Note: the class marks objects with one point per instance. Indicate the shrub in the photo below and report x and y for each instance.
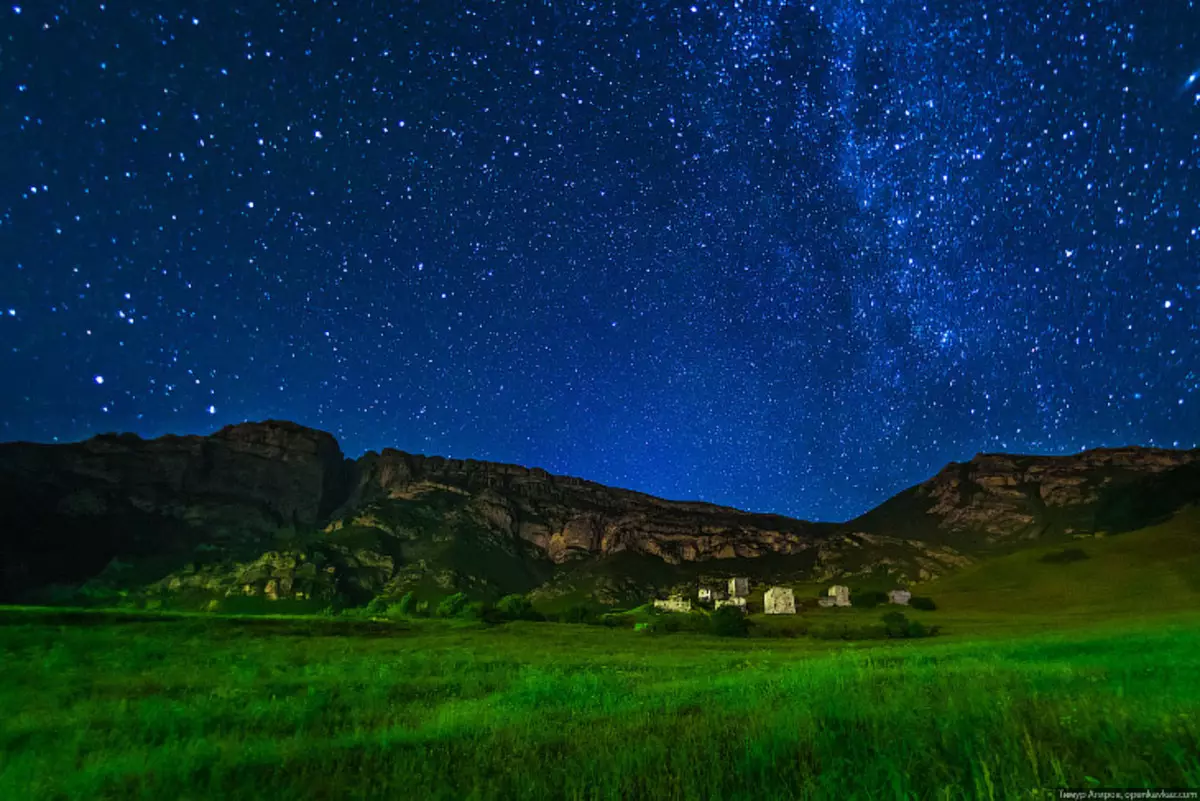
(478, 610)
(896, 624)
(844, 631)
(1065, 556)
(515, 607)
(728, 621)
(408, 605)
(920, 602)
(377, 607)
(577, 613)
(870, 599)
(451, 605)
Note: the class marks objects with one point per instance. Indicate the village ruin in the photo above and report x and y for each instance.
(838, 595)
(779, 601)
(676, 603)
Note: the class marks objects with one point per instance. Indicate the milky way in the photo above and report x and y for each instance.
(786, 257)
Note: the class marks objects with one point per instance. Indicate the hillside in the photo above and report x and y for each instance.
(1144, 572)
(273, 513)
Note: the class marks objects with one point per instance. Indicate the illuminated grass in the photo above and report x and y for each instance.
(213, 708)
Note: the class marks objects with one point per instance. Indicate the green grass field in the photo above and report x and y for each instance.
(1042, 678)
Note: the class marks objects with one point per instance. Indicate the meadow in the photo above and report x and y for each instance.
(141, 706)
(1046, 673)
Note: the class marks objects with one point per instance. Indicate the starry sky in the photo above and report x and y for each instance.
(790, 257)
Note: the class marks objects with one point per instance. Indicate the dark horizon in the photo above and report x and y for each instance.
(356, 455)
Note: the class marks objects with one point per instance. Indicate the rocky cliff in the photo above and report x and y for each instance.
(273, 511)
(1001, 499)
(66, 511)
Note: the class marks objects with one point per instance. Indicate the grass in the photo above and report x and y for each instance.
(191, 707)
(1071, 674)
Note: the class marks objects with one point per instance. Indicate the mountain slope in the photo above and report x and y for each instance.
(996, 501)
(1151, 570)
(273, 513)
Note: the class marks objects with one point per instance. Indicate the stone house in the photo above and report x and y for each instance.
(706, 594)
(739, 587)
(740, 603)
(901, 597)
(779, 601)
(675, 603)
(840, 595)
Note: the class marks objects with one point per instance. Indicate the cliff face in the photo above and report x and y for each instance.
(274, 511)
(568, 518)
(68, 510)
(997, 499)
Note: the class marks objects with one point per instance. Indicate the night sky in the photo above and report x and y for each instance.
(788, 257)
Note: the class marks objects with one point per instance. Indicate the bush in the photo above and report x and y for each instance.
(870, 599)
(451, 605)
(377, 607)
(515, 607)
(897, 625)
(1065, 557)
(578, 613)
(408, 605)
(919, 602)
(478, 610)
(844, 631)
(728, 621)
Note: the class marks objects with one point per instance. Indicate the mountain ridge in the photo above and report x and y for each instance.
(276, 510)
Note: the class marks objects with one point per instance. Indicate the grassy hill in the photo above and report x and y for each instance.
(1152, 570)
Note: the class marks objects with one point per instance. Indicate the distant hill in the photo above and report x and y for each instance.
(273, 514)
(997, 500)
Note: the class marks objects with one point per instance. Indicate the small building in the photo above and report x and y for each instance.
(739, 603)
(675, 603)
(706, 594)
(901, 597)
(739, 587)
(779, 601)
(840, 595)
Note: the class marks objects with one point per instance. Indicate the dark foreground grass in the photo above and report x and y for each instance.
(197, 708)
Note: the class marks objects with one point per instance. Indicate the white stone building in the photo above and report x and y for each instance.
(675, 603)
(840, 595)
(779, 601)
(901, 597)
(739, 587)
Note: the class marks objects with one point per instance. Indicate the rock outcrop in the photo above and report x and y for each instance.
(273, 511)
(1002, 499)
(569, 518)
(66, 511)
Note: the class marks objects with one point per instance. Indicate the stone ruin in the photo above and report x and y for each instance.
(840, 595)
(739, 587)
(901, 597)
(740, 603)
(779, 601)
(676, 603)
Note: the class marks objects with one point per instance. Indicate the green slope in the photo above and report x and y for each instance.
(1152, 570)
